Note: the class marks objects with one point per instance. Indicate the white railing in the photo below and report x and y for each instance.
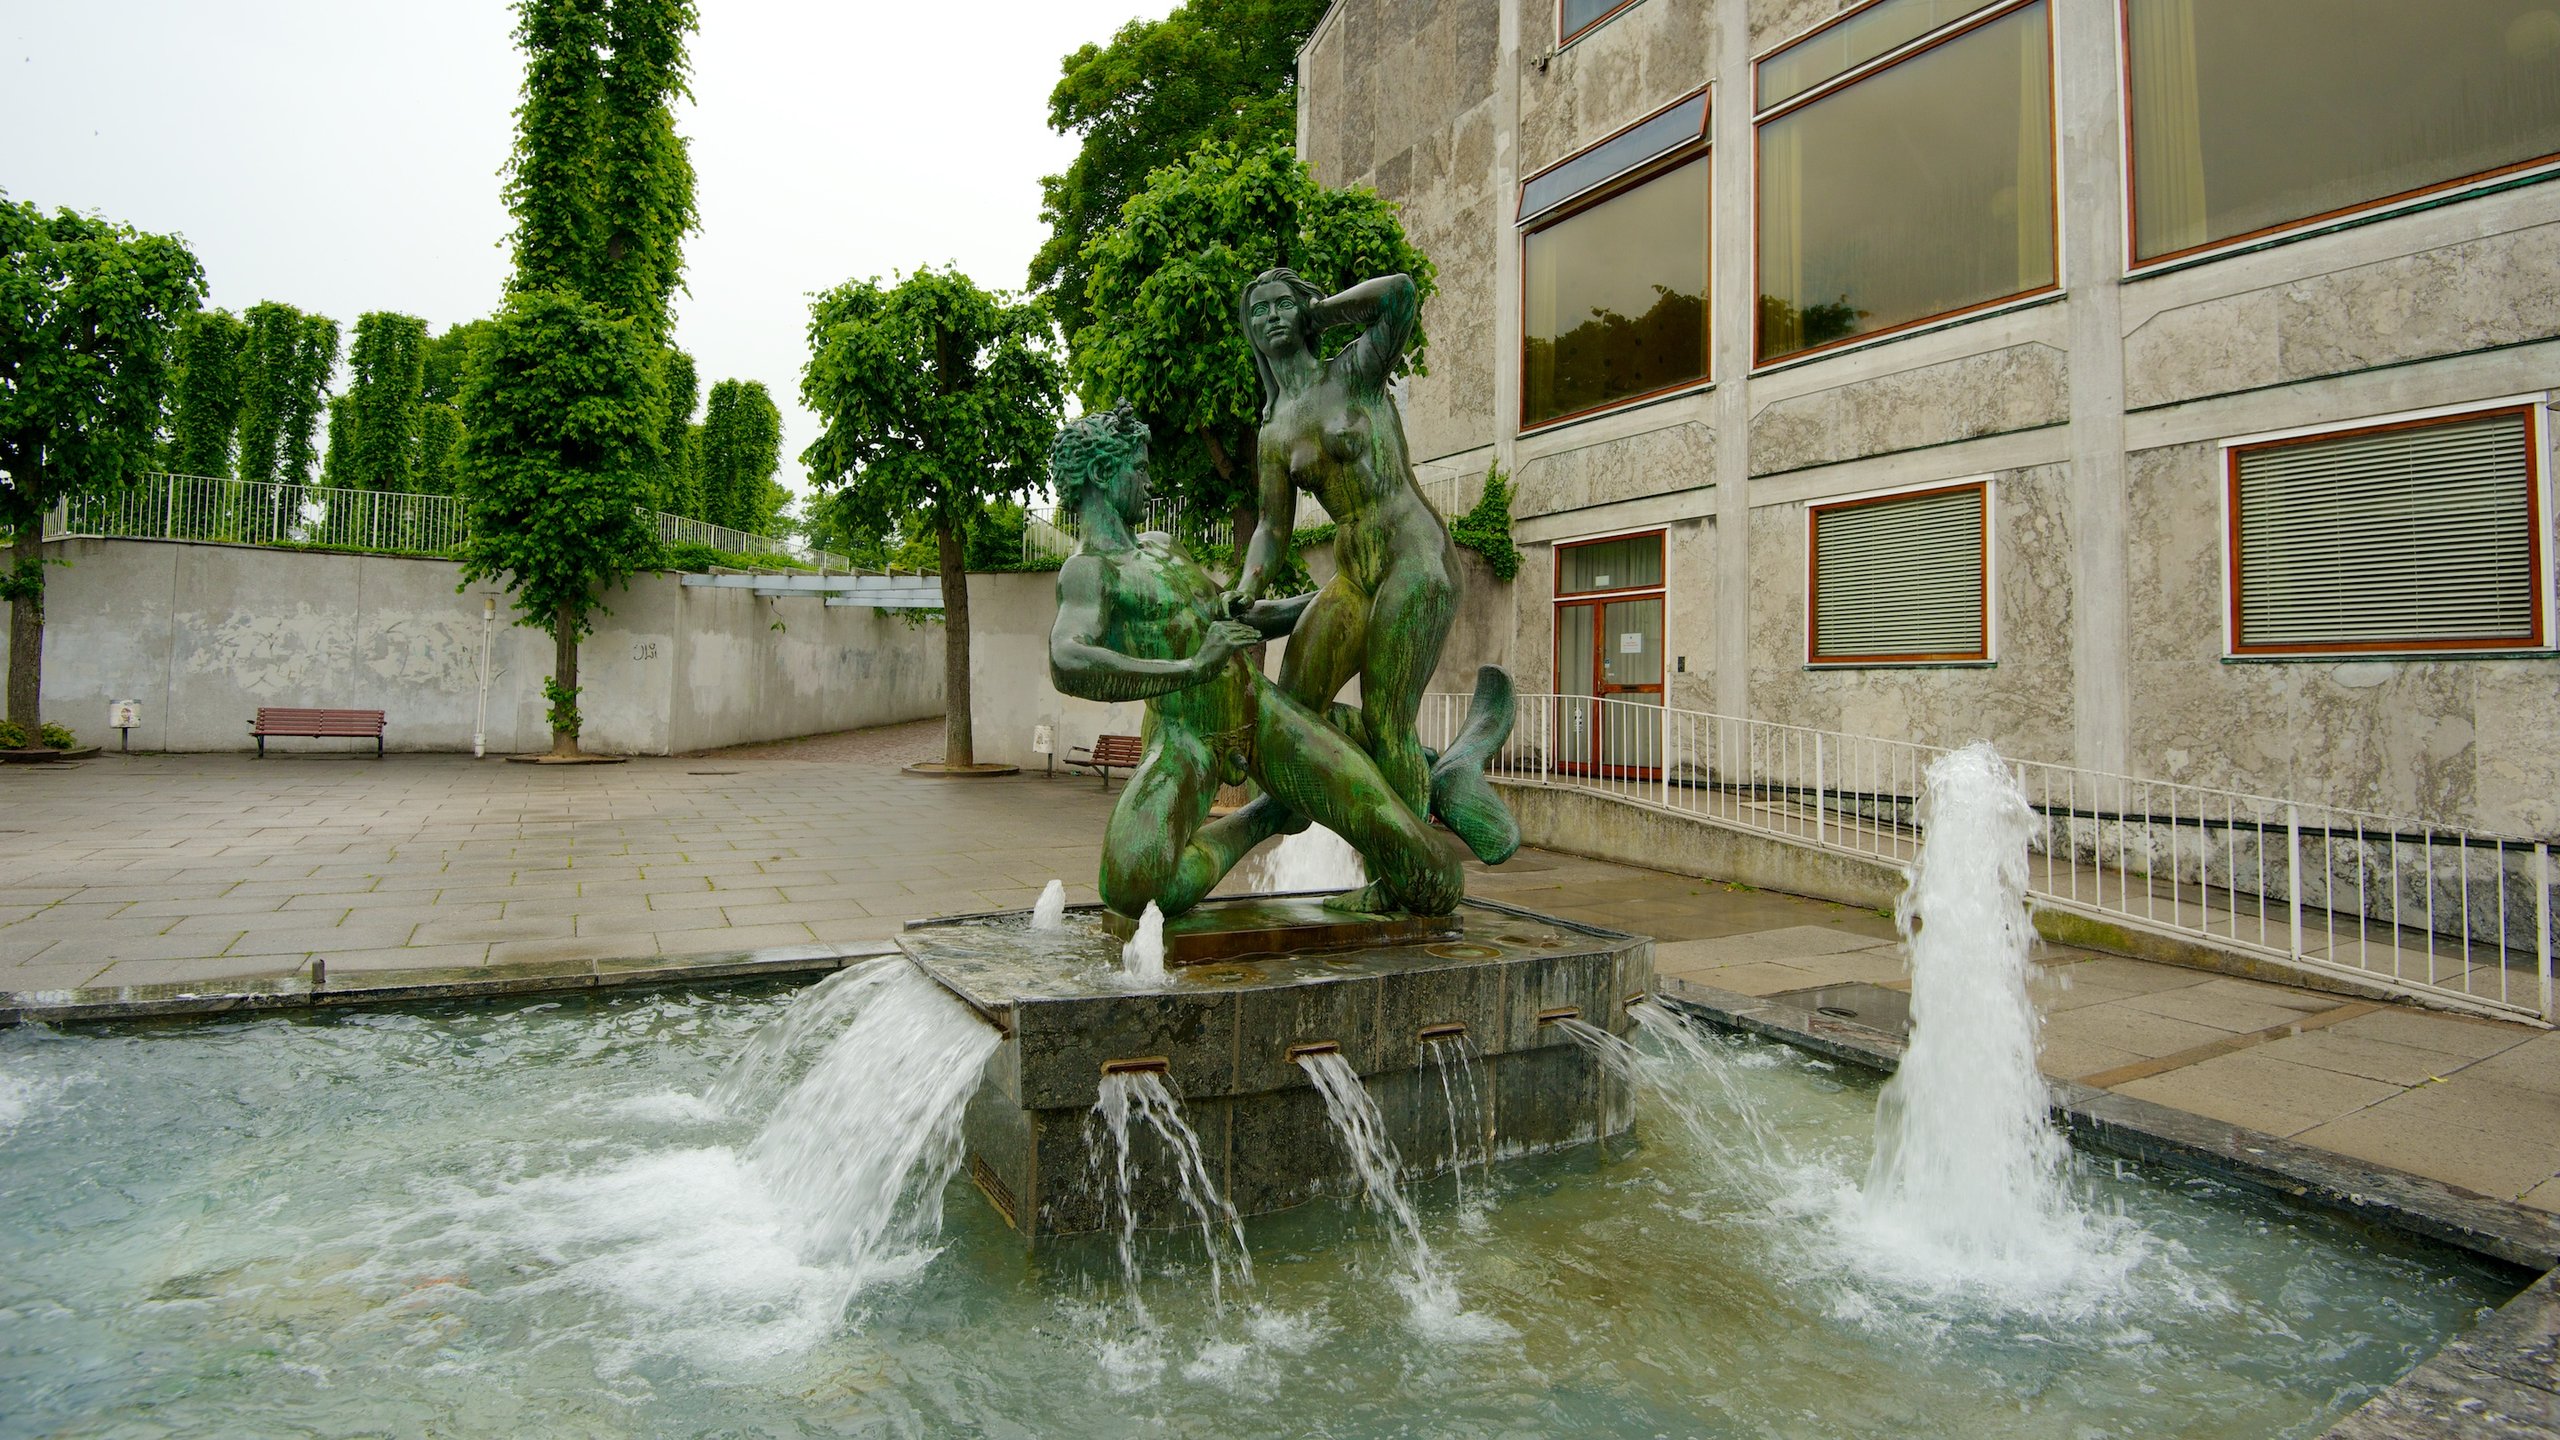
(254, 512)
(1049, 532)
(2426, 910)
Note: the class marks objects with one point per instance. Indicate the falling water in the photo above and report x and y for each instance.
(1436, 1310)
(1142, 959)
(1968, 1179)
(1313, 859)
(1050, 912)
(1453, 1059)
(1144, 1097)
(856, 1154)
(1699, 1084)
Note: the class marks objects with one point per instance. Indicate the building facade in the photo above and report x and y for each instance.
(2161, 387)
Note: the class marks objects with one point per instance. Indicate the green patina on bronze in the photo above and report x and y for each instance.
(1139, 619)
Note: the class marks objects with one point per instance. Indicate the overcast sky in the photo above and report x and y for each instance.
(343, 155)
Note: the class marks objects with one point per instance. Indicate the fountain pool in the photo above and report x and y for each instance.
(534, 1218)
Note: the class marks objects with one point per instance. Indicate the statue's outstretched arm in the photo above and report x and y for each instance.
(1088, 670)
(1277, 527)
(1275, 618)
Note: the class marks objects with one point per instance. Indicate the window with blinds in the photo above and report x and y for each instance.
(2420, 536)
(1903, 579)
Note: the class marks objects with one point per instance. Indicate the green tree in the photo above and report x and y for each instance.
(1165, 335)
(338, 461)
(284, 378)
(680, 471)
(562, 418)
(211, 346)
(741, 450)
(1213, 70)
(384, 396)
(93, 313)
(934, 397)
(447, 358)
(563, 451)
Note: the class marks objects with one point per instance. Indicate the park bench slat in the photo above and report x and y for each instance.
(1109, 753)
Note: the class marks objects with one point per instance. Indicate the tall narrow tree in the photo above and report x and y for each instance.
(284, 391)
(602, 193)
(935, 397)
(383, 398)
(92, 314)
(741, 450)
(679, 467)
(439, 407)
(211, 346)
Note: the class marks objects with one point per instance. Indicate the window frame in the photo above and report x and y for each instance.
(1987, 486)
(2137, 265)
(1921, 45)
(1564, 37)
(1700, 151)
(2535, 409)
(1558, 595)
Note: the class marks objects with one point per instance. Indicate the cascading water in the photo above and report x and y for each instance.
(1968, 1188)
(857, 1154)
(1453, 1059)
(1436, 1310)
(1050, 911)
(1313, 859)
(1142, 959)
(1698, 1083)
(1143, 1096)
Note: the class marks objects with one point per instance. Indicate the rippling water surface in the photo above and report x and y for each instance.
(535, 1220)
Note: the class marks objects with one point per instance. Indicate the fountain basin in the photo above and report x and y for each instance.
(1223, 1035)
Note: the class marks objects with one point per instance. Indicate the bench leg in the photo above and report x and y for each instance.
(262, 747)
(377, 747)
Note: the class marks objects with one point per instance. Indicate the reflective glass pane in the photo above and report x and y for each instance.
(1616, 298)
(1664, 133)
(1576, 16)
(1923, 189)
(1628, 564)
(1631, 642)
(1838, 48)
(2250, 114)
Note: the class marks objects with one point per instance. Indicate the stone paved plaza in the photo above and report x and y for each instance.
(204, 869)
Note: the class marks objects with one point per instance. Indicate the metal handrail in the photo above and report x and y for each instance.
(2437, 910)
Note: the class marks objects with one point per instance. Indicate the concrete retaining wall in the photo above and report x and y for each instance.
(204, 634)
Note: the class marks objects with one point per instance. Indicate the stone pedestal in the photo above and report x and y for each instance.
(1223, 1034)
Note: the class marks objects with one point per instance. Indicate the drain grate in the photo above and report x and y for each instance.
(1873, 1006)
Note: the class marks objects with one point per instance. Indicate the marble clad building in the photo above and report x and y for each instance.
(2158, 386)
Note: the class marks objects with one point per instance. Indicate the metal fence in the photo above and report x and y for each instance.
(1049, 532)
(2427, 910)
(247, 512)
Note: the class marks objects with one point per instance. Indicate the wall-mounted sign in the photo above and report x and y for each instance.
(1631, 642)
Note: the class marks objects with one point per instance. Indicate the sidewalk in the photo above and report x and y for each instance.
(202, 870)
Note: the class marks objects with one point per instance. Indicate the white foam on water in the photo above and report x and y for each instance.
(1313, 859)
(1142, 959)
(1050, 911)
(667, 1107)
(19, 1096)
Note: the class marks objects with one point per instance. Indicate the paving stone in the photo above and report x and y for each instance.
(2533, 1065)
(2453, 1034)
(2204, 1005)
(2326, 1049)
(2252, 1090)
(2121, 1027)
(2452, 1135)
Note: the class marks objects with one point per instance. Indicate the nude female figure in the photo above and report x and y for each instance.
(1330, 428)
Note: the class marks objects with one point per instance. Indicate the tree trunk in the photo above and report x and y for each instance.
(959, 744)
(564, 673)
(26, 627)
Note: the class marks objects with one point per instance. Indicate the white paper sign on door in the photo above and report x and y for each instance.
(1631, 642)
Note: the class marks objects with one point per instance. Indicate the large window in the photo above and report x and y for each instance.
(2252, 115)
(1575, 16)
(1614, 294)
(2416, 535)
(1902, 579)
(1914, 183)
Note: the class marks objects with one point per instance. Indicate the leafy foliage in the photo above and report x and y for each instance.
(934, 397)
(447, 357)
(93, 310)
(600, 183)
(679, 469)
(692, 555)
(56, 737)
(383, 402)
(1213, 70)
(284, 377)
(1486, 527)
(740, 449)
(1164, 287)
(562, 420)
(211, 345)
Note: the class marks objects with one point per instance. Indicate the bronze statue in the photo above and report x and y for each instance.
(1330, 427)
(1138, 618)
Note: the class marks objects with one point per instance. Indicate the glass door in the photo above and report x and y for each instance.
(1609, 658)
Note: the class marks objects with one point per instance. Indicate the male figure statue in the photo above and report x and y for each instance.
(1138, 618)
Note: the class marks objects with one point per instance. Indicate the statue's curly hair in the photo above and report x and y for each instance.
(1090, 448)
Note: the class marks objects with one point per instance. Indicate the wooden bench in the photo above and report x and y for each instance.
(1108, 753)
(317, 724)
